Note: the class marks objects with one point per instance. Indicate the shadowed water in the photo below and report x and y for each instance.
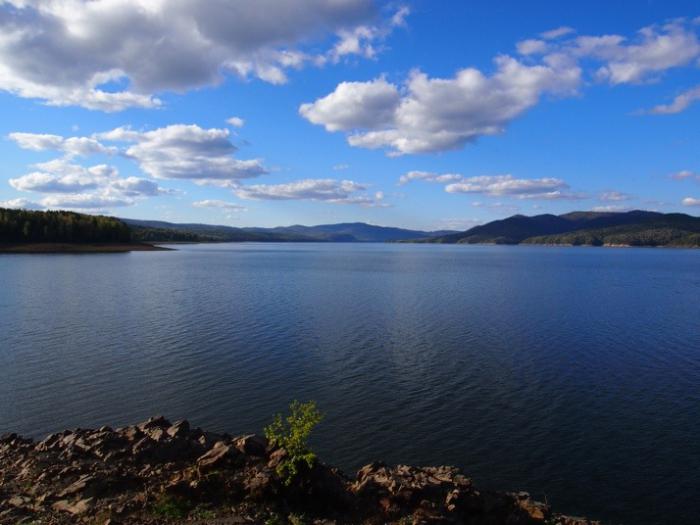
(573, 373)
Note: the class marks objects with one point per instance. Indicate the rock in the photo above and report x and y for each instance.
(181, 429)
(19, 502)
(154, 422)
(252, 445)
(81, 507)
(220, 455)
(87, 485)
(90, 476)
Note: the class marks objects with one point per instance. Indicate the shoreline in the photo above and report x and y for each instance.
(56, 247)
(157, 472)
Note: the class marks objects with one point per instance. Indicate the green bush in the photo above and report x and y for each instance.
(292, 434)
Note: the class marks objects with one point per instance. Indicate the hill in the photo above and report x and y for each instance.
(634, 228)
(160, 231)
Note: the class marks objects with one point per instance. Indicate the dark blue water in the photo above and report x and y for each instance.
(573, 373)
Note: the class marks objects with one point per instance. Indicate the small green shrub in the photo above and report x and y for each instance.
(292, 434)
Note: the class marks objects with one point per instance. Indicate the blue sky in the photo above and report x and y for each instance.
(424, 114)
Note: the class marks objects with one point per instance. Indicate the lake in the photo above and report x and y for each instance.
(572, 373)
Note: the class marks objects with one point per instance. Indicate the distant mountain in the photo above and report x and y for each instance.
(160, 231)
(634, 228)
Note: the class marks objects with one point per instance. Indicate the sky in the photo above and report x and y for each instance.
(430, 114)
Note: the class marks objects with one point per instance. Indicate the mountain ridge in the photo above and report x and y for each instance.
(162, 231)
(579, 228)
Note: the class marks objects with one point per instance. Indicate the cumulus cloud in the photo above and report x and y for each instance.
(355, 105)
(20, 204)
(63, 176)
(181, 151)
(531, 46)
(325, 190)
(113, 54)
(497, 185)
(178, 151)
(85, 201)
(236, 122)
(614, 196)
(653, 51)
(690, 201)
(71, 146)
(361, 40)
(426, 115)
(437, 114)
(231, 206)
(679, 104)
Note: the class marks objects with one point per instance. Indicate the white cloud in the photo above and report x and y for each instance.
(690, 201)
(497, 185)
(181, 151)
(680, 103)
(85, 201)
(361, 40)
(531, 46)
(75, 52)
(64, 177)
(20, 204)
(429, 177)
(655, 50)
(173, 152)
(685, 174)
(437, 114)
(341, 167)
(355, 105)
(236, 122)
(72, 146)
(136, 187)
(326, 190)
(232, 206)
(553, 34)
(614, 196)
(426, 115)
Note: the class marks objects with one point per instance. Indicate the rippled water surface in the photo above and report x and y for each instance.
(573, 373)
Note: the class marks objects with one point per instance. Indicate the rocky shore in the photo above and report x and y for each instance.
(162, 473)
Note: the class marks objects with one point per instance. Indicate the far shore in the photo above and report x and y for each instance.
(54, 247)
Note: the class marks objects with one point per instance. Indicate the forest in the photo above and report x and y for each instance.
(24, 226)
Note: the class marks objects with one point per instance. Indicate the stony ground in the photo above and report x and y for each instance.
(162, 473)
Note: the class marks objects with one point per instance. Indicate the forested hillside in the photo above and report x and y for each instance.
(23, 226)
(634, 228)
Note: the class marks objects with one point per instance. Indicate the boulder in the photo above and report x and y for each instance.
(252, 445)
(219, 456)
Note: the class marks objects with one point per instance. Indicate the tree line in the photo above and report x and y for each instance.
(24, 226)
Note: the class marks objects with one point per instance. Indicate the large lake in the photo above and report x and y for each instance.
(573, 373)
